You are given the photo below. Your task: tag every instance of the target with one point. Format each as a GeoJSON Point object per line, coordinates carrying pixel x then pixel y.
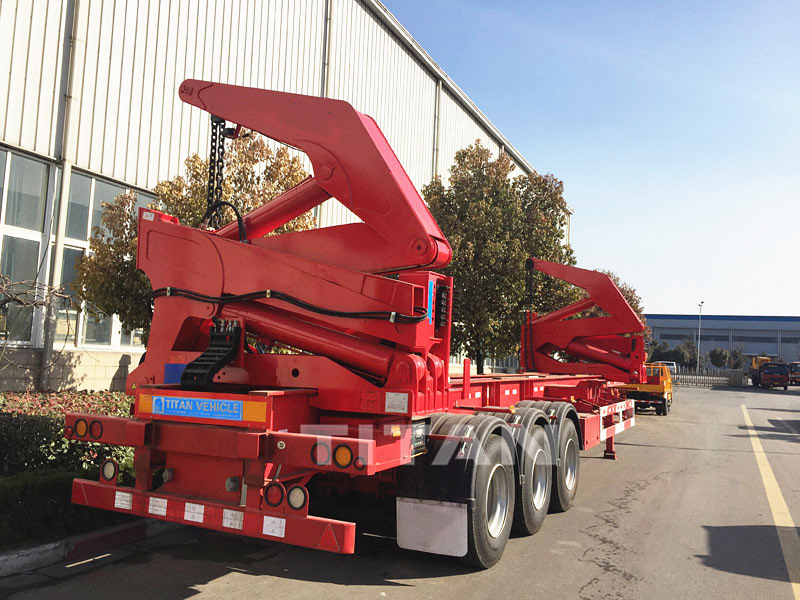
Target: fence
{"type": "Point", "coordinates": [510, 364]}
{"type": "Point", "coordinates": [709, 377]}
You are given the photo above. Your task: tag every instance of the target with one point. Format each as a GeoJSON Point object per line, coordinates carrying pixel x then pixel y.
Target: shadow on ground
{"type": "Point", "coordinates": [779, 429]}
{"type": "Point", "coordinates": [792, 391]}
{"type": "Point", "coordinates": [208, 556]}
{"type": "Point", "coordinates": [752, 550]}
{"type": "Point", "coordinates": [377, 562]}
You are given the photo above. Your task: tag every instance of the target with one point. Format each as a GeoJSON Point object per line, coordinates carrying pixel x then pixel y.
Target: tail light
{"type": "Point", "coordinates": [297, 497]}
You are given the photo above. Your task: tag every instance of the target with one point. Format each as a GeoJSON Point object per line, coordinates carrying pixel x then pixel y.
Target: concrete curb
{"type": "Point", "coordinates": [71, 548]}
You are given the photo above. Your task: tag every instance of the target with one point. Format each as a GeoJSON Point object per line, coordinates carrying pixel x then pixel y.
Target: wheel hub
{"type": "Point", "coordinates": [497, 500]}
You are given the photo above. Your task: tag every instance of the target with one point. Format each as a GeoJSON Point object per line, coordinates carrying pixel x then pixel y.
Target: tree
{"type": "Point", "coordinates": [254, 174]}
{"type": "Point", "coordinates": [686, 353]}
{"type": "Point", "coordinates": [107, 278]}
{"type": "Point", "coordinates": [719, 357]}
{"type": "Point", "coordinates": [737, 359]}
{"type": "Point", "coordinates": [543, 233]}
{"type": "Point", "coordinates": [493, 224]}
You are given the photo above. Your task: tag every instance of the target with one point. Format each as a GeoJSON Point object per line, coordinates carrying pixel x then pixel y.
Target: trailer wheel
{"type": "Point", "coordinates": [567, 468]}
{"type": "Point", "coordinates": [533, 493]}
{"type": "Point", "coordinates": [491, 514]}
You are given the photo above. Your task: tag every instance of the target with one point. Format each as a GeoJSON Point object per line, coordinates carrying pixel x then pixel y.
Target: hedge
{"type": "Point", "coordinates": [37, 465]}
{"type": "Point", "coordinates": [32, 426]}
{"type": "Point", "coordinates": [37, 508]}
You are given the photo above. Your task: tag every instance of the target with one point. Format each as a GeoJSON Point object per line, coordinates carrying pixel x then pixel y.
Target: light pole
{"type": "Point", "coordinates": [699, 325]}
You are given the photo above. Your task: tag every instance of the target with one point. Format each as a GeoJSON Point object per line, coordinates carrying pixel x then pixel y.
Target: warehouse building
{"type": "Point", "coordinates": [89, 108]}
{"type": "Point", "coordinates": [778, 337]}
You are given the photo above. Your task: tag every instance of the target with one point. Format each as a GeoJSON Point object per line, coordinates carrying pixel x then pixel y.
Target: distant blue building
{"type": "Point", "coordinates": [771, 336]}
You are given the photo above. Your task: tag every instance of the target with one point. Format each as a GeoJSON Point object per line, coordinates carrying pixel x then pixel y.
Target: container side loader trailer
{"type": "Point", "coordinates": [229, 438]}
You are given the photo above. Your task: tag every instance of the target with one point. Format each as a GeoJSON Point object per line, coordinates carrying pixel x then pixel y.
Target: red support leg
{"type": "Point", "coordinates": [610, 452]}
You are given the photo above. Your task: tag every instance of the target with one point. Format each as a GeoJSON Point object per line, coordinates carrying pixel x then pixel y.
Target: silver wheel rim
{"type": "Point", "coordinates": [570, 464]}
{"type": "Point", "coordinates": [497, 500]}
{"type": "Point", "coordinates": [539, 480]}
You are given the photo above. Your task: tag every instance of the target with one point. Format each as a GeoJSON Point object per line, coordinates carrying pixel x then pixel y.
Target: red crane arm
{"type": "Point", "coordinates": [611, 346]}
{"type": "Point", "coordinates": [352, 162]}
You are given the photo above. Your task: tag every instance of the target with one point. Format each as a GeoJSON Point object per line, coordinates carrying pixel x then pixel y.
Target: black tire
{"type": "Point", "coordinates": [659, 410]}
{"type": "Point", "coordinates": [535, 485]}
{"type": "Point", "coordinates": [665, 408]}
{"type": "Point", "coordinates": [786, 387]}
{"type": "Point", "coordinates": [566, 469]}
{"type": "Point", "coordinates": [492, 514]}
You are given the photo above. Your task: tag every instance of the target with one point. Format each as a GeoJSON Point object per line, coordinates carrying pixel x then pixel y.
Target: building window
{"type": "Point", "coordinates": [24, 184]}
{"type": "Point", "coordinates": [132, 338]}
{"type": "Point", "coordinates": [2, 172]}
{"type": "Point", "coordinates": [84, 212]}
{"type": "Point", "coordinates": [27, 193]}
{"type": "Point", "coordinates": [66, 308]}
{"type": "Point", "coordinates": [80, 191]}
{"type": "Point", "coordinates": [677, 336]}
{"type": "Point", "coordinates": [103, 192]}
{"type": "Point", "coordinates": [97, 328]}
{"type": "Point", "coordinates": [19, 264]}
{"type": "Point", "coordinates": [756, 338]}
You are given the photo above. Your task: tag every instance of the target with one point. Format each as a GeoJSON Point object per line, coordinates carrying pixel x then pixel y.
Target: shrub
{"type": "Point", "coordinates": [32, 426]}
{"type": "Point", "coordinates": [37, 508]}
{"type": "Point", "coordinates": [37, 465]}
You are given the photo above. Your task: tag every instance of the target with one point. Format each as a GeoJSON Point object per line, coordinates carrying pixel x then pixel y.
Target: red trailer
{"type": "Point", "coordinates": [232, 439]}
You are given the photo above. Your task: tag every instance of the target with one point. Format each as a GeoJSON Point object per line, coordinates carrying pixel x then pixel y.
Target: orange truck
{"type": "Point", "coordinates": [655, 393]}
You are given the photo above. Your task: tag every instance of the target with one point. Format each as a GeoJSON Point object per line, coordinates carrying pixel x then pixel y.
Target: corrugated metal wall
{"type": "Point", "coordinates": [129, 57]}
{"type": "Point", "coordinates": [458, 130]}
{"type": "Point", "coordinates": [380, 78]}
{"type": "Point", "coordinates": [129, 123]}
{"type": "Point", "coordinates": [29, 82]}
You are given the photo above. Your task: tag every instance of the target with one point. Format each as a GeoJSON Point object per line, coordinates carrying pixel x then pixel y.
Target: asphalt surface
{"type": "Point", "coordinates": [682, 513]}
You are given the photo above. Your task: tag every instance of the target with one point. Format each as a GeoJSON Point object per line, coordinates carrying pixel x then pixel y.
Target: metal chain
{"type": "Point", "coordinates": [216, 164]}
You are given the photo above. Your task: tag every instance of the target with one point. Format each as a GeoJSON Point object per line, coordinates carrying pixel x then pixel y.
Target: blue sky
{"type": "Point", "coordinates": [675, 127]}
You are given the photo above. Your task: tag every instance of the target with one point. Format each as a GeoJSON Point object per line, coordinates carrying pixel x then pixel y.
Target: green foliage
{"type": "Point", "coordinates": [737, 359]}
{"type": "Point", "coordinates": [719, 357]}
{"type": "Point", "coordinates": [684, 354]}
{"type": "Point", "coordinates": [254, 174]}
{"type": "Point", "coordinates": [107, 278]}
{"type": "Point", "coordinates": [37, 465]}
{"type": "Point", "coordinates": [37, 507]}
{"type": "Point", "coordinates": [32, 431]}
{"type": "Point", "coordinates": [494, 223]}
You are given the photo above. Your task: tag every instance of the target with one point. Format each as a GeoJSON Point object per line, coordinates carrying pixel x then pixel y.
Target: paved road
{"type": "Point", "coordinates": [683, 513]}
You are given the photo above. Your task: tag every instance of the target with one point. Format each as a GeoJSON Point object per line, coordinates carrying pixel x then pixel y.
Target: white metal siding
{"type": "Point", "coordinates": [30, 69]}
{"type": "Point", "coordinates": [126, 121]}
{"type": "Point", "coordinates": [379, 77]}
{"type": "Point", "coordinates": [458, 130]}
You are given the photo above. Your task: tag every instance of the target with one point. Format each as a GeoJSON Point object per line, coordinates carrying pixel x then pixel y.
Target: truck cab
{"type": "Point", "coordinates": [774, 374]}
{"type": "Point", "coordinates": [656, 392]}
{"type": "Point", "coordinates": [794, 373]}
